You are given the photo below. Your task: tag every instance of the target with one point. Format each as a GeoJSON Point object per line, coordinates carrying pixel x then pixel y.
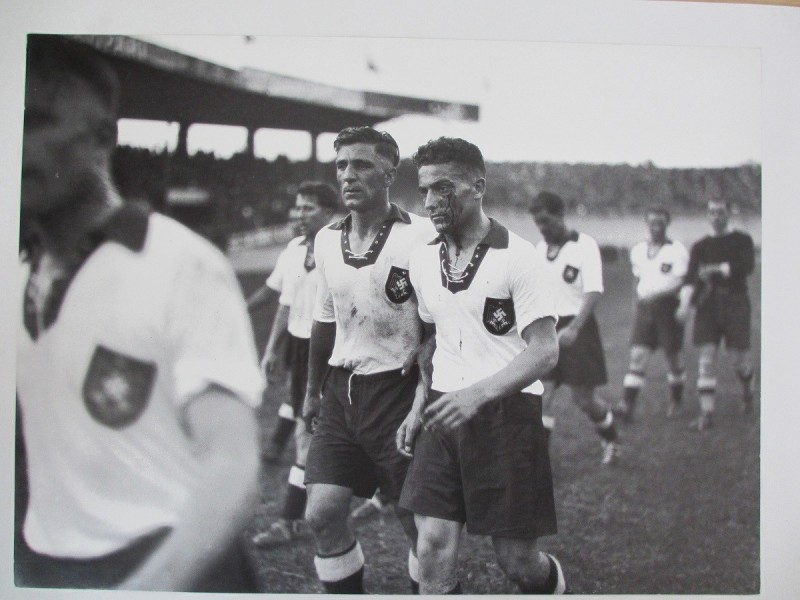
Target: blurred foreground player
{"type": "Point", "coordinates": [659, 264]}
{"type": "Point", "coordinates": [482, 456]}
{"type": "Point", "coordinates": [136, 369]}
{"type": "Point", "coordinates": [366, 321]}
{"type": "Point", "coordinates": [716, 285]}
{"type": "Point", "coordinates": [295, 278]}
{"type": "Point", "coordinates": [573, 261]}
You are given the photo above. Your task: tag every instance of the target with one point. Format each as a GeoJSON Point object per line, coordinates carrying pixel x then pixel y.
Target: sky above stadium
{"type": "Point", "coordinates": [675, 106]}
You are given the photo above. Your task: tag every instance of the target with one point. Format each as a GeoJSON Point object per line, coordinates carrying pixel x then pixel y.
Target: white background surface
{"type": "Point", "coordinates": [774, 31]}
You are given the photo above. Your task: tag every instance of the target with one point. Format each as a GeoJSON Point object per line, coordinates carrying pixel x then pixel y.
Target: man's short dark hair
{"type": "Point", "coordinates": [549, 202]}
{"type": "Point", "coordinates": [384, 143]}
{"type": "Point", "coordinates": [324, 194]}
{"type": "Point", "coordinates": [57, 60]}
{"type": "Point", "coordinates": [450, 150]}
{"type": "Point", "coordinates": [659, 209]}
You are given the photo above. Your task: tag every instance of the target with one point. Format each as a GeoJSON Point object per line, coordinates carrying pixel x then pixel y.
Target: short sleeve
{"type": "Point", "coordinates": [592, 266]}
{"type": "Point", "coordinates": [323, 304]}
{"type": "Point", "coordinates": [276, 278]}
{"type": "Point", "coordinates": [209, 335]}
{"type": "Point", "coordinates": [415, 265]}
{"type": "Point", "coordinates": [531, 287]}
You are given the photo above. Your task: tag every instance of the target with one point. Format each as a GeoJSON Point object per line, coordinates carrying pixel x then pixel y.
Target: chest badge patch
{"type": "Point", "coordinates": [398, 285]}
{"type": "Point", "coordinates": [498, 315]}
{"type": "Point", "coordinates": [570, 274]}
{"type": "Point", "coordinates": [666, 267]}
{"type": "Point", "coordinates": [117, 387]}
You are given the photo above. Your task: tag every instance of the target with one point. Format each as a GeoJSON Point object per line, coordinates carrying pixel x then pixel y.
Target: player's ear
{"type": "Point", "coordinates": [480, 186]}
{"type": "Point", "coordinates": [389, 176]}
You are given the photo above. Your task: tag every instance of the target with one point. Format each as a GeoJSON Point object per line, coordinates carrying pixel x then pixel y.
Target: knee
{"type": "Point", "coordinates": [431, 547]}
{"type": "Point", "coordinates": [322, 514]}
{"type": "Point", "coordinates": [638, 358]}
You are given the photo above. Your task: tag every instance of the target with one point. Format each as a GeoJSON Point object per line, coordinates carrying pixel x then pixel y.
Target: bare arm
{"type": "Point", "coordinates": [423, 355]}
{"type": "Point", "coordinates": [280, 326]}
{"type": "Point", "coordinates": [260, 296]}
{"type": "Point", "coordinates": [538, 358]}
{"type": "Point", "coordinates": [670, 291]}
{"type": "Point", "coordinates": [323, 336]}
{"type": "Point", "coordinates": [568, 335]}
{"type": "Point", "coordinates": [225, 438]}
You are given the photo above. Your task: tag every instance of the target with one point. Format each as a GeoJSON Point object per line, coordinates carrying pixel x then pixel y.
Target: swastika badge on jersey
{"type": "Point", "coordinates": [498, 315]}
{"type": "Point", "coordinates": [570, 273]}
{"type": "Point", "coordinates": [398, 285]}
{"type": "Point", "coordinates": [117, 387]}
{"type": "Point", "coordinates": [666, 267]}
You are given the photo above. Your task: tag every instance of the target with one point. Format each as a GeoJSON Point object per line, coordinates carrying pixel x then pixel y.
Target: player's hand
{"type": "Point", "coordinates": [567, 336]}
{"type": "Point", "coordinates": [311, 411]}
{"type": "Point", "coordinates": [453, 409]}
{"type": "Point", "coordinates": [407, 432]}
{"type": "Point", "coordinates": [270, 364]}
{"type": "Point", "coordinates": [706, 271]}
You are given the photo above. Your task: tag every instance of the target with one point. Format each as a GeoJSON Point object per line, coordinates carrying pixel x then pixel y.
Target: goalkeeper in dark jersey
{"type": "Point", "coordinates": [716, 286]}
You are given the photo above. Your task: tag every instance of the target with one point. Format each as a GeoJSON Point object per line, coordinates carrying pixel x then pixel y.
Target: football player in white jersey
{"type": "Point", "coordinates": [137, 374]}
{"type": "Point", "coordinates": [659, 264]}
{"type": "Point", "coordinates": [295, 278]}
{"type": "Point", "coordinates": [365, 328]}
{"type": "Point", "coordinates": [573, 260]}
{"type": "Point", "coordinates": [482, 458]}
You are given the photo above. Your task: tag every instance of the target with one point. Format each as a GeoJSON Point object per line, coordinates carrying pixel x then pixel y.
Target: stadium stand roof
{"type": "Point", "coordinates": [165, 85]}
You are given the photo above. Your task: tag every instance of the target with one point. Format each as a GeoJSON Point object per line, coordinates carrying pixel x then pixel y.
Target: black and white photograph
{"type": "Point", "coordinates": [432, 299]}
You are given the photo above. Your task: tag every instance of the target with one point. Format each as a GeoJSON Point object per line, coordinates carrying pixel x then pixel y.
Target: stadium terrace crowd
{"type": "Point", "coordinates": [422, 353]}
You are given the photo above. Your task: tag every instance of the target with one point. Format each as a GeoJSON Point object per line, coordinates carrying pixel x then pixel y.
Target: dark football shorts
{"type": "Point", "coordinates": [297, 357]}
{"type": "Point", "coordinates": [655, 325]}
{"type": "Point", "coordinates": [582, 363]}
{"type": "Point", "coordinates": [233, 572]}
{"type": "Point", "coordinates": [492, 473]}
{"type": "Point", "coordinates": [353, 444]}
{"type": "Point", "coordinates": [724, 315]}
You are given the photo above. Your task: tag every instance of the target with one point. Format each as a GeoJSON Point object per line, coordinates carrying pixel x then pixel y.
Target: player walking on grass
{"type": "Point", "coordinates": [573, 261]}
{"type": "Point", "coordinates": [137, 374]}
{"type": "Point", "coordinates": [295, 278]}
{"type": "Point", "coordinates": [660, 265]}
{"type": "Point", "coordinates": [482, 457]}
{"type": "Point", "coordinates": [716, 286]}
{"type": "Point", "coordinates": [366, 321]}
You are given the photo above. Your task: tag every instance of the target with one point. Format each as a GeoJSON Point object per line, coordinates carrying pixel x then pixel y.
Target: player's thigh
{"type": "Point", "coordinates": [706, 329]}
{"type": "Point", "coordinates": [583, 363]}
{"type": "Point", "coordinates": [669, 332]}
{"type": "Point", "coordinates": [736, 323]}
{"type": "Point", "coordinates": [644, 332]}
{"type": "Point", "coordinates": [336, 455]}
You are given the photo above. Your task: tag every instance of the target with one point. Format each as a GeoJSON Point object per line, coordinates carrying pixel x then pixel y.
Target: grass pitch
{"type": "Point", "coordinates": [677, 514]}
